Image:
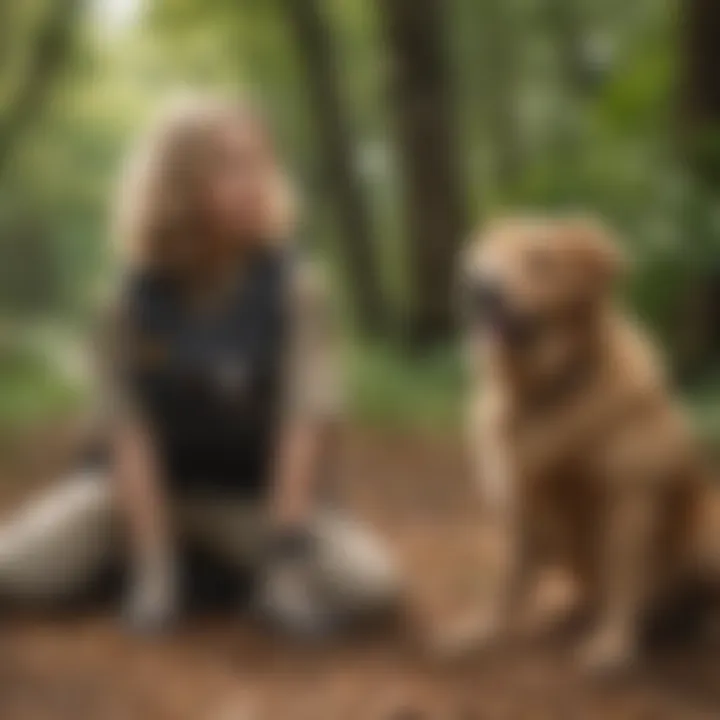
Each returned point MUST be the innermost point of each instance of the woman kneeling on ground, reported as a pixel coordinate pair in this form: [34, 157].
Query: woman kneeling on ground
[223, 396]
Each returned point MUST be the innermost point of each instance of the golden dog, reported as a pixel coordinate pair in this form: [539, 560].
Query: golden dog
[578, 445]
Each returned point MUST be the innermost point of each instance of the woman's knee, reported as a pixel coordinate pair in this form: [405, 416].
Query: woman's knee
[52, 546]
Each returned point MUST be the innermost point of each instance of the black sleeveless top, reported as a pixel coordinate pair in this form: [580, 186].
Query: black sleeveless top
[209, 382]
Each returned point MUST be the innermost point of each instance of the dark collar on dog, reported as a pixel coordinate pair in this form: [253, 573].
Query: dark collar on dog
[563, 386]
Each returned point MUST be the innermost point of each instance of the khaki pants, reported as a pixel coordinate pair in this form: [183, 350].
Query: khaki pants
[53, 547]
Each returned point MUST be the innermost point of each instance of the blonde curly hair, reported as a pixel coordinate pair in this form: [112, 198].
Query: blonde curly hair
[156, 218]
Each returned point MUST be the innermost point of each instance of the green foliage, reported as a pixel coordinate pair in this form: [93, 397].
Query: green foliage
[388, 391]
[704, 403]
[600, 136]
[31, 391]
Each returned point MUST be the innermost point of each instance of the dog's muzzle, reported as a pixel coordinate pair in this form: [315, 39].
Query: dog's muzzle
[486, 308]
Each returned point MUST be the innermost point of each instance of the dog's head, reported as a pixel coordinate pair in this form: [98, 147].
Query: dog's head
[523, 280]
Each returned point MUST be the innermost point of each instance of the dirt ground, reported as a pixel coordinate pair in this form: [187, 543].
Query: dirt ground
[414, 490]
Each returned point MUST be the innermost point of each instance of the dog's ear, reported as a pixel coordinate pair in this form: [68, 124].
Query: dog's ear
[602, 259]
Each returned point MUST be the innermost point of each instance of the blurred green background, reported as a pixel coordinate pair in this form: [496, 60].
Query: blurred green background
[406, 123]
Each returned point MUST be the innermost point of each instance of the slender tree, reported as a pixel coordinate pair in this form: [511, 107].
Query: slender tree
[700, 88]
[697, 343]
[335, 146]
[49, 48]
[420, 93]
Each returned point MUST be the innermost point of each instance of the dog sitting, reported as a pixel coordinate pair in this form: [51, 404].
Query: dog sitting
[581, 453]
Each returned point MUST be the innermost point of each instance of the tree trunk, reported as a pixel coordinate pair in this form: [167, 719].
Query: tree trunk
[420, 93]
[697, 346]
[50, 48]
[336, 149]
[700, 87]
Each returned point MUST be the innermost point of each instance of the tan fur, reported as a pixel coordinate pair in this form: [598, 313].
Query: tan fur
[602, 476]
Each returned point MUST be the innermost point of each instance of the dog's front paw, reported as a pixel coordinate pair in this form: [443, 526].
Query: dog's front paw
[464, 635]
[546, 607]
[608, 652]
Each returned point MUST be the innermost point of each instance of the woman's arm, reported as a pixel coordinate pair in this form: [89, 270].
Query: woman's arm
[287, 591]
[294, 486]
[313, 402]
[152, 601]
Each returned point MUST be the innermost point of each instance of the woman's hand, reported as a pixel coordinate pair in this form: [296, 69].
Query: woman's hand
[291, 595]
